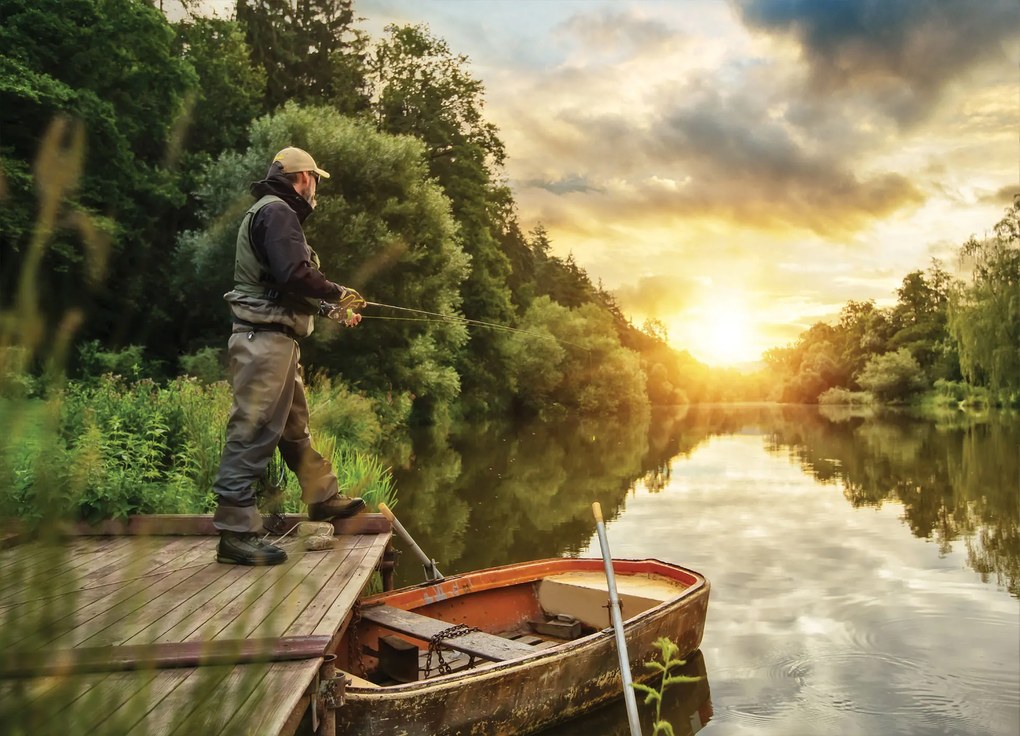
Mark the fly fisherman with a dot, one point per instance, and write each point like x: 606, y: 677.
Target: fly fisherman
x: 278, y: 290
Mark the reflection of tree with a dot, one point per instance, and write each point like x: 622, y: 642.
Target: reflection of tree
x: 957, y: 479
x: 497, y: 493
x: 519, y: 491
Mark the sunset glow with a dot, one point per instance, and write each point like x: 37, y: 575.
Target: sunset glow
x: 719, y: 335
x: 794, y: 149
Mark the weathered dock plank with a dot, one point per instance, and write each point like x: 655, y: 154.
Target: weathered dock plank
x: 145, y: 634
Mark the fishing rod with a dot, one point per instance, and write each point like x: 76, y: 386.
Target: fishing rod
x: 344, y: 313
x: 456, y: 319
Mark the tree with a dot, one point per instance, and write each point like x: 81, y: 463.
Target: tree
x: 381, y: 226
x: 230, y: 88
x: 424, y: 90
x: 894, y: 376
x: 984, y: 316
x: 111, y: 66
x: 920, y: 318
x: 309, y: 50
x: 573, y: 358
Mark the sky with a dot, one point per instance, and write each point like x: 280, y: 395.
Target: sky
x: 740, y: 169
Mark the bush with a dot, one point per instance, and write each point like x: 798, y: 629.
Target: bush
x: 893, y: 376
x: 348, y: 417
x: 141, y: 448
x: 844, y: 396
x: 207, y: 365
x: 128, y: 362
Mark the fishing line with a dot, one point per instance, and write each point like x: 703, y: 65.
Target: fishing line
x: 454, y: 319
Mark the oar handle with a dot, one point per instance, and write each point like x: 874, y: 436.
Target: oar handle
x: 431, y: 571
x: 616, y: 616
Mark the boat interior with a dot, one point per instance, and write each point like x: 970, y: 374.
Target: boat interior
x: 393, y: 641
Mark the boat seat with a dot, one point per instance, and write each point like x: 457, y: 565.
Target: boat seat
x: 585, y: 596
x: 478, y: 643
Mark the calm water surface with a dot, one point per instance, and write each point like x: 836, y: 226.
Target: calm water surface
x: 865, y: 571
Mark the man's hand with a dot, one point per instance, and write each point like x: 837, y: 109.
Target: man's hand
x: 350, y: 299
x: 343, y: 311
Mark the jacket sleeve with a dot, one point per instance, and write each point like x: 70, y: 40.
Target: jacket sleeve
x: 280, y: 244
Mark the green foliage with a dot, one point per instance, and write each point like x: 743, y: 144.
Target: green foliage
x: 141, y: 448
x: 309, y: 51
x: 894, y: 376
x: 230, y: 88
x: 129, y: 363
x: 985, y: 314
x: 207, y: 365
x: 111, y: 67
x: 16, y: 382
x: 573, y: 358
x: 349, y: 418
x: 841, y: 396
x: 668, y: 652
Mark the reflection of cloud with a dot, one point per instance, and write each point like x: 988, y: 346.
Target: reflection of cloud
x: 904, y: 54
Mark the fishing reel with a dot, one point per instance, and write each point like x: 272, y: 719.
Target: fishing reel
x: 345, y: 310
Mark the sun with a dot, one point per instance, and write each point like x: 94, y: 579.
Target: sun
x: 720, y: 333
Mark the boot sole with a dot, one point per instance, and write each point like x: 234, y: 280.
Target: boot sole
x: 250, y: 563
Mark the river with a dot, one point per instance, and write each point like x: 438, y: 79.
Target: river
x: 865, y: 570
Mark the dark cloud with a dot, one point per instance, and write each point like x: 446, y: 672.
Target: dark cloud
x: 1003, y: 196
x: 728, y: 158
x: 902, y: 53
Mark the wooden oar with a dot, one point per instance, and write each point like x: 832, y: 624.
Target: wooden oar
x: 431, y: 571
x: 616, y: 614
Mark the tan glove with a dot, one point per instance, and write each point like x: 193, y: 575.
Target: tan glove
x: 345, y: 309
x: 350, y: 299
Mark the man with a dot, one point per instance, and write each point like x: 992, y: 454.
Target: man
x: 278, y: 290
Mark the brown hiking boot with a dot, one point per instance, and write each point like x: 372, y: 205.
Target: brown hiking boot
x: 337, y: 507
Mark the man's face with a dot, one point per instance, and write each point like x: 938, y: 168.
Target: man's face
x: 307, y: 185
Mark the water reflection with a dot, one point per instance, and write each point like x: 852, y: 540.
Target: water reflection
x: 687, y: 706
x: 498, y: 493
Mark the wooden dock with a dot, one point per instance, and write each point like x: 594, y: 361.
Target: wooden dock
x: 134, y: 628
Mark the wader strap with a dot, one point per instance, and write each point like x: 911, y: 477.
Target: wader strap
x: 241, y: 325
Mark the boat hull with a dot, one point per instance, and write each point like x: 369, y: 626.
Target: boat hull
x: 525, y: 695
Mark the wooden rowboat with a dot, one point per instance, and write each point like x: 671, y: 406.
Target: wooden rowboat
x: 509, y: 650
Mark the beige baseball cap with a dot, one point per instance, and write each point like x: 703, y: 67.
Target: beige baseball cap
x: 294, y: 160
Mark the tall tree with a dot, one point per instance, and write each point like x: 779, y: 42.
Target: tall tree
x: 985, y: 314
x: 230, y: 91
x: 109, y: 64
x: 425, y: 90
x: 381, y: 226
x: 310, y: 51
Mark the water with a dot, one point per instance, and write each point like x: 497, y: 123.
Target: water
x: 865, y: 571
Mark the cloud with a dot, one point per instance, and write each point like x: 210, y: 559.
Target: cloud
x: 724, y: 158
x: 571, y: 184
x: 903, y: 53
x: 657, y: 295
x: 1003, y: 196
x: 611, y: 32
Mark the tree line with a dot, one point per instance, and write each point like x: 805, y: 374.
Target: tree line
x: 158, y: 127
x: 956, y: 339
x: 128, y: 145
